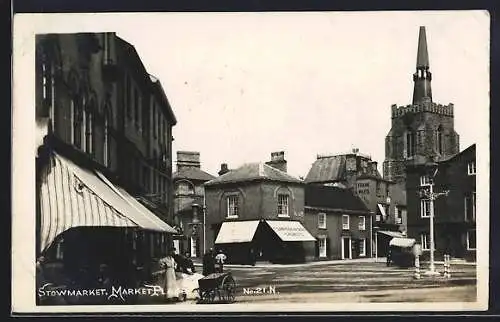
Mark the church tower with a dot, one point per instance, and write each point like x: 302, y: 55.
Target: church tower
x: 422, y: 131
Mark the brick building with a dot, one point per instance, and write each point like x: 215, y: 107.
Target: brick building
x: 189, y: 203
x: 454, y: 214
x: 256, y: 212
x: 104, y: 155
x: 340, y: 221
x: 359, y: 174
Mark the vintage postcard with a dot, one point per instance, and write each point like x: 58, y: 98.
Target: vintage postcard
x: 251, y: 162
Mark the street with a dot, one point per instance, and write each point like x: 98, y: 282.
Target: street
x: 351, y: 282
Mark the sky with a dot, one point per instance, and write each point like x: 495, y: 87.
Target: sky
x: 243, y: 85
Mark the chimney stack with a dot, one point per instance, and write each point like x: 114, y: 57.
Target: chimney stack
x: 374, y: 167
x: 223, y: 169
x: 278, y: 161
x: 188, y: 159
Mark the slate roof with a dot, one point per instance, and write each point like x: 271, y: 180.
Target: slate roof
x: 253, y: 171
x: 192, y: 173
x: 327, y: 169
x: 321, y: 196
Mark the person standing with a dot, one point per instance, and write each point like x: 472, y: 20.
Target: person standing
x: 171, y: 288
x: 220, y: 258
x: 208, y: 262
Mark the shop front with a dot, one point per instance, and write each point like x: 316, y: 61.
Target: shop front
x: 273, y: 241
x: 87, y: 227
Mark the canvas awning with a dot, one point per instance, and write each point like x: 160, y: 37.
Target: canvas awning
x: 236, y: 232
x: 402, y: 242
x: 392, y: 233
x: 71, y: 196
x: 290, y: 230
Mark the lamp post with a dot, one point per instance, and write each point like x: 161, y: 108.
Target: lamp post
x: 431, y: 195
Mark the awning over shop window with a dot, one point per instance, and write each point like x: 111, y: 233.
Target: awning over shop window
x: 402, y: 242
x: 381, y: 208
x: 237, y: 232
x: 392, y: 233
x: 71, y: 196
x: 290, y: 230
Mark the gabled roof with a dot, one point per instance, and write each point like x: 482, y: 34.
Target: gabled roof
x: 321, y: 196
x: 327, y: 169
x: 254, y: 171
x: 192, y: 173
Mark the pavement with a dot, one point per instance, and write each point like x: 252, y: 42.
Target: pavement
x: 197, y: 262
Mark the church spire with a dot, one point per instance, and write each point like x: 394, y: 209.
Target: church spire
x: 422, y: 76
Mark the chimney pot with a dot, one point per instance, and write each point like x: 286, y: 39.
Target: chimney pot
x: 223, y: 169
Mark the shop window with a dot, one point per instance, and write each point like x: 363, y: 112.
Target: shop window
x: 283, y: 205
x: 232, y: 206
x: 362, y: 223
x: 345, y: 222
x: 470, y: 207
x: 471, y: 168
x: 322, y: 220
x: 425, y: 208
x: 425, y: 241
x: 471, y: 240
x: 362, y: 247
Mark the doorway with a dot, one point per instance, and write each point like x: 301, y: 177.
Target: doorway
x: 346, y: 248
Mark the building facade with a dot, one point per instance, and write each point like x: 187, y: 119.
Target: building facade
x: 98, y: 130
x: 359, y: 174
x: 256, y: 212
x: 189, y: 203
x: 340, y: 221
x: 454, y: 213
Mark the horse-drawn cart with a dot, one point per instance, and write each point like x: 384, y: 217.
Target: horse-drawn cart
x: 217, y: 288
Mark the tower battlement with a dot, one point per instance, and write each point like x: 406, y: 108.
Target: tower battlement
x: 427, y: 106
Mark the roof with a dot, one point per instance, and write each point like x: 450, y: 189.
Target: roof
x: 332, y: 197
x: 153, y: 82
x: 422, y: 55
x: 254, y: 171
x: 451, y: 157
x: 327, y: 169
x: 192, y: 173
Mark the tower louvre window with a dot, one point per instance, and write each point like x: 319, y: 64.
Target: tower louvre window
x: 410, y: 144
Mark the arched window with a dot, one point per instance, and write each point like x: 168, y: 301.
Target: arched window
x: 91, y: 127
x: 184, y: 188
x: 108, y: 120
x: 410, y: 143
x: 439, y: 139
x: 77, y: 117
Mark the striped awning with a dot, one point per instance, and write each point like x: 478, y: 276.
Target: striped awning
x: 71, y: 196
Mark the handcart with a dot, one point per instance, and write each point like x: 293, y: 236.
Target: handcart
x: 217, y: 288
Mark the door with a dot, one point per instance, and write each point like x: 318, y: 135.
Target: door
x: 177, y: 246
x: 194, y: 246
x: 346, y: 248
x: 322, y: 247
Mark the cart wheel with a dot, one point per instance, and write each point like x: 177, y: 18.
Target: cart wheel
x: 228, y: 289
